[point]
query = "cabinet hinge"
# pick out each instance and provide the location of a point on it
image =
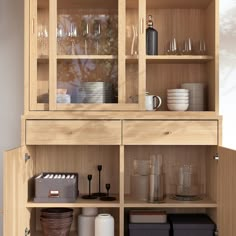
(27, 231)
(27, 157)
(216, 157)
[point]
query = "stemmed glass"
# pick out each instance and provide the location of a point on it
(97, 33)
(60, 37)
(43, 40)
(85, 34)
(72, 36)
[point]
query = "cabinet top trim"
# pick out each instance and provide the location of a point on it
(99, 115)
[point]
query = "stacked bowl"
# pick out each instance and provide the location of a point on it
(177, 99)
(196, 96)
(56, 221)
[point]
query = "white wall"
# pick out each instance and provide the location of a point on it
(11, 73)
(228, 71)
(11, 77)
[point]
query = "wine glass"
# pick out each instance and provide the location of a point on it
(60, 38)
(73, 33)
(97, 33)
(85, 34)
(43, 40)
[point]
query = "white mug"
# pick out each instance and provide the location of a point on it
(152, 102)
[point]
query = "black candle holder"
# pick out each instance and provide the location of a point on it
(89, 196)
(107, 197)
(99, 193)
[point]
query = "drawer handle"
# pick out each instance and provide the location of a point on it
(168, 133)
(53, 194)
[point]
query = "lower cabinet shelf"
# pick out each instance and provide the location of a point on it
(170, 203)
(39, 233)
(80, 203)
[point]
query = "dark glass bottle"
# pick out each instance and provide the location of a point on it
(151, 38)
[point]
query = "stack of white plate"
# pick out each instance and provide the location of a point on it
(177, 99)
(196, 96)
(95, 92)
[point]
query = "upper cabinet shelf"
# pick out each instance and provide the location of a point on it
(84, 57)
(178, 59)
(178, 4)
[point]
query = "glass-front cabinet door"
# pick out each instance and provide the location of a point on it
(85, 55)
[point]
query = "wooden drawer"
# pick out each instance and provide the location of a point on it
(170, 132)
(73, 132)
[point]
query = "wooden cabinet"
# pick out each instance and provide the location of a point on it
(97, 50)
(97, 54)
(90, 132)
(170, 132)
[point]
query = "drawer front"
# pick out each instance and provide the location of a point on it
(62, 132)
(170, 132)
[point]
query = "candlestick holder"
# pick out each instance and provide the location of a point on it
(107, 197)
(89, 196)
(99, 193)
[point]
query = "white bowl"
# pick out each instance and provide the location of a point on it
(177, 107)
(177, 90)
(173, 101)
(177, 95)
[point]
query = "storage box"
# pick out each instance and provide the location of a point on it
(149, 229)
(147, 216)
(191, 224)
(56, 187)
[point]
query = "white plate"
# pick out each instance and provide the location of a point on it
(172, 101)
(178, 95)
(177, 107)
(177, 90)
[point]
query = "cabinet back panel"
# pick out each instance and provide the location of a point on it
(83, 160)
(172, 157)
(180, 24)
(36, 226)
(161, 77)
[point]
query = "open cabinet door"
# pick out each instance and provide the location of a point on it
(227, 192)
(16, 173)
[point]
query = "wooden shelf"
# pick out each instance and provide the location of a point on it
(43, 60)
(85, 57)
(178, 59)
(39, 233)
(78, 204)
(178, 4)
(170, 203)
(131, 59)
(137, 115)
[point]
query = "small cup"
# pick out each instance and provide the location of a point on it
(152, 102)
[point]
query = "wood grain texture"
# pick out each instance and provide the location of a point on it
(212, 178)
(170, 133)
(227, 192)
(173, 157)
(161, 77)
(121, 53)
(52, 54)
(142, 52)
(14, 192)
(180, 24)
(32, 29)
(136, 115)
(73, 132)
(82, 160)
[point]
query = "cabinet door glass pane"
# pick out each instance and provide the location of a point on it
(132, 51)
(42, 51)
(87, 51)
(87, 81)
